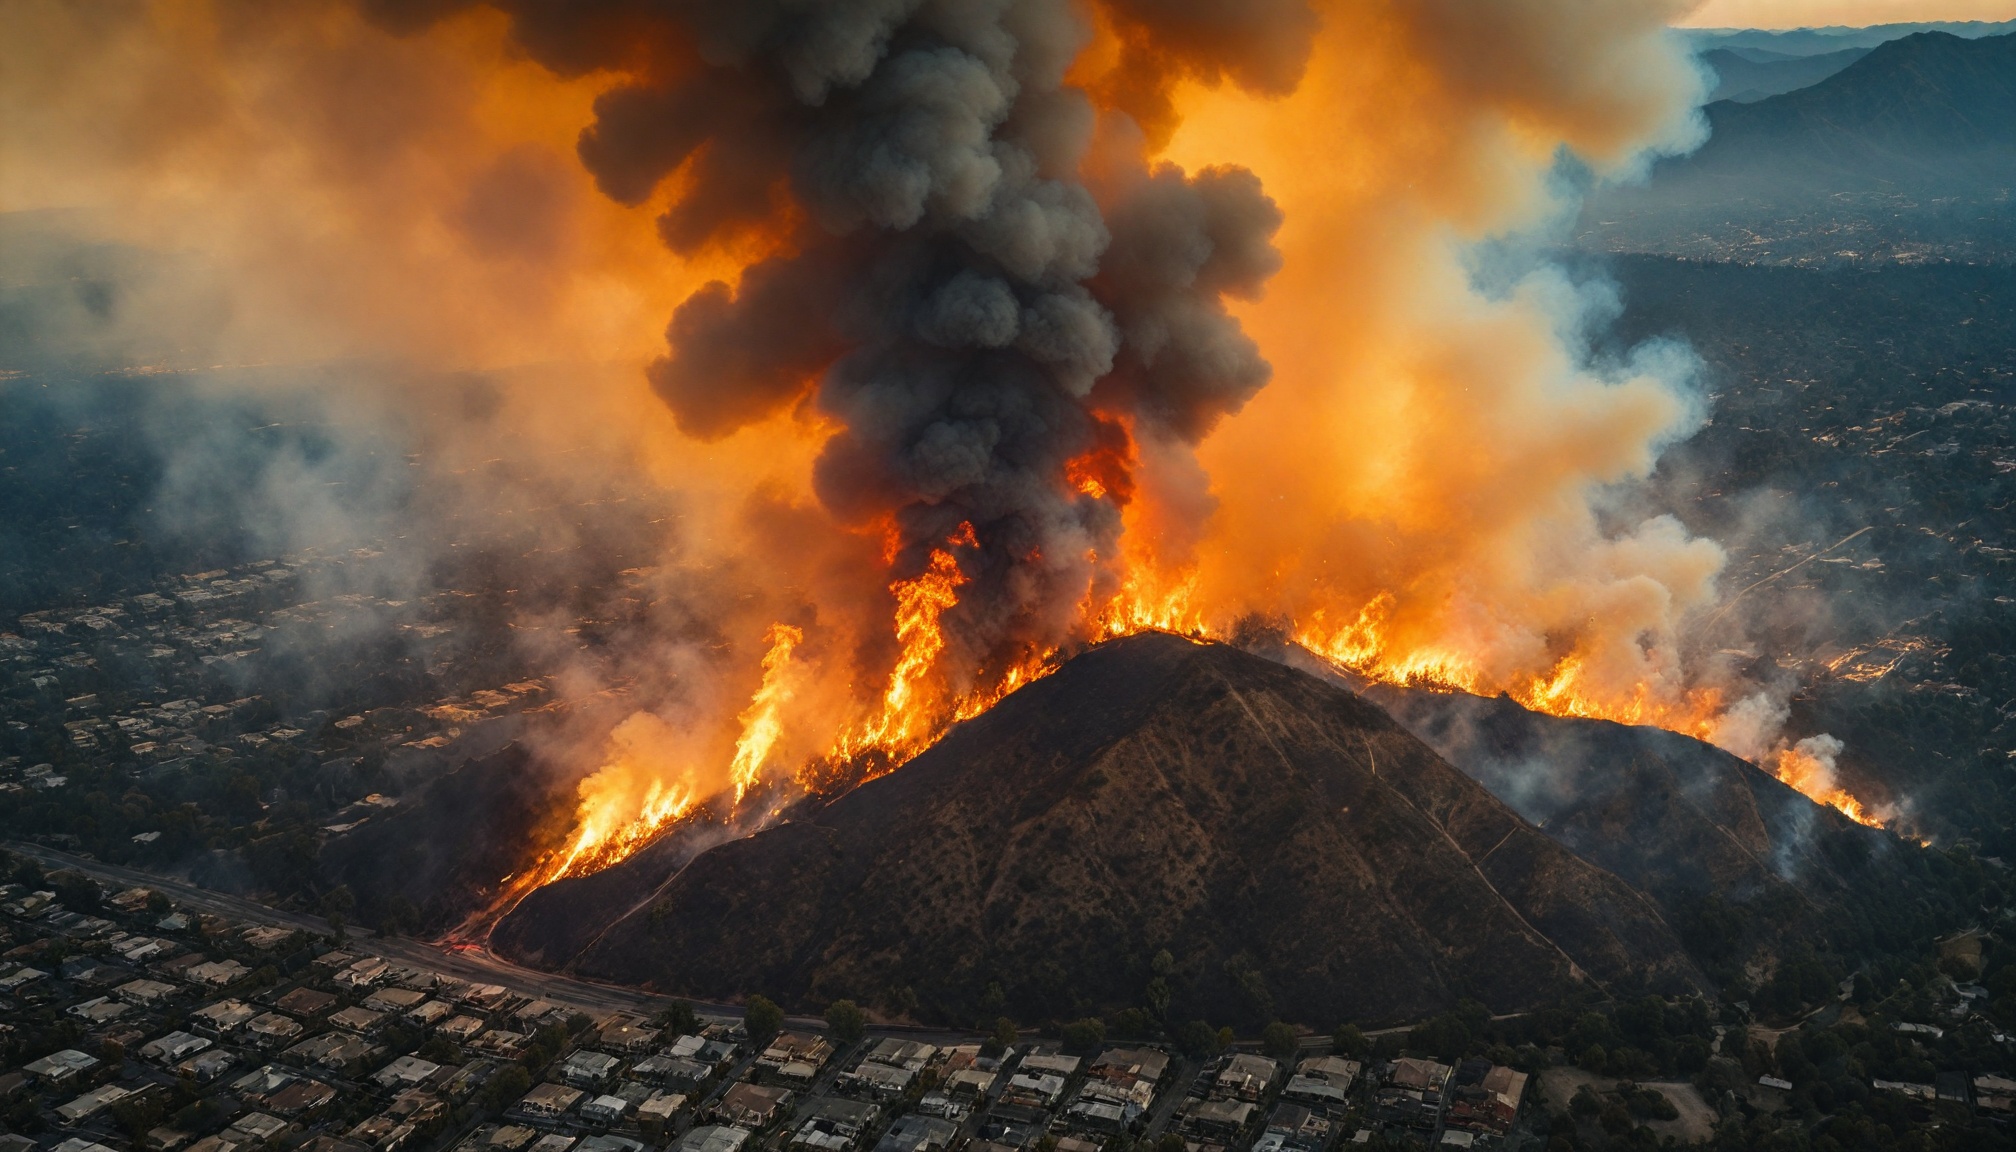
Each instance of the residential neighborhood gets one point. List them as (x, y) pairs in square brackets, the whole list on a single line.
[(154, 1028)]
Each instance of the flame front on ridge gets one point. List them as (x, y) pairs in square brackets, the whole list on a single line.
[(914, 708)]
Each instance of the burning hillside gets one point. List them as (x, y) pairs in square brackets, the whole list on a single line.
[(1006, 264), (1283, 838), (997, 327)]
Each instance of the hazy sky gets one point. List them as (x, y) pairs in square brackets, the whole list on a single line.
[(1801, 13)]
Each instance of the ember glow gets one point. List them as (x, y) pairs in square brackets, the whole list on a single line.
[(995, 330)]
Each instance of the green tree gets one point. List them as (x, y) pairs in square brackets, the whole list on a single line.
[(440, 1050), (400, 918), (1349, 1041), (202, 1116), (1279, 1040), (1084, 1035), (138, 1113), (1132, 1023), (508, 1084), (1157, 995), (1197, 1039), (762, 1017), (28, 874), (846, 1020), (1446, 1037), (1616, 1120), (1004, 1032), (77, 893), (679, 1019), (240, 801)]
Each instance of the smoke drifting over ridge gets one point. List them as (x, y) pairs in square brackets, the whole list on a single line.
[(995, 325)]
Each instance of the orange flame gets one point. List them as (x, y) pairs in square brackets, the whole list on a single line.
[(763, 720), (1107, 471), (630, 801), (1809, 767), (903, 723), (1136, 609), (618, 815), (1362, 646)]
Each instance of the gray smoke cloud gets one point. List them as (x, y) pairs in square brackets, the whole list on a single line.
[(947, 285)]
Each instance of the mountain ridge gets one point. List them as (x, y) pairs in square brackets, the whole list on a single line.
[(1909, 153), (1791, 43), (1743, 79), (1928, 99), (1293, 847)]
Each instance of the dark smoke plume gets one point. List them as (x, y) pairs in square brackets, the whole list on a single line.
[(945, 281)]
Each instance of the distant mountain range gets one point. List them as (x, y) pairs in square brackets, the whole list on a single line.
[(1761, 45), (1931, 111), (1749, 74), (1908, 152)]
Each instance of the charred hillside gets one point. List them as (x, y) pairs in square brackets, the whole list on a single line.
[(441, 853), (1739, 863), (1295, 850)]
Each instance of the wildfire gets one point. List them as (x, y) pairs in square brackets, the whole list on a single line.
[(1135, 609), (1809, 766), (1275, 296), (763, 720), (1361, 645), (630, 801), (627, 805), (904, 721)]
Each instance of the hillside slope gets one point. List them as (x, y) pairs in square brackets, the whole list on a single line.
[(1745, 79), (1744, 867), (1908, 154), (1930, 110), (442, 852), (1675, 817), (1296, 851)]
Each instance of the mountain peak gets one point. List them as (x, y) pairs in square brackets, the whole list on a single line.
[(1928, 106), (1296, 851)]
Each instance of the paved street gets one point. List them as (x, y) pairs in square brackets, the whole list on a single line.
[(1181, 1077), (475, 965)]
